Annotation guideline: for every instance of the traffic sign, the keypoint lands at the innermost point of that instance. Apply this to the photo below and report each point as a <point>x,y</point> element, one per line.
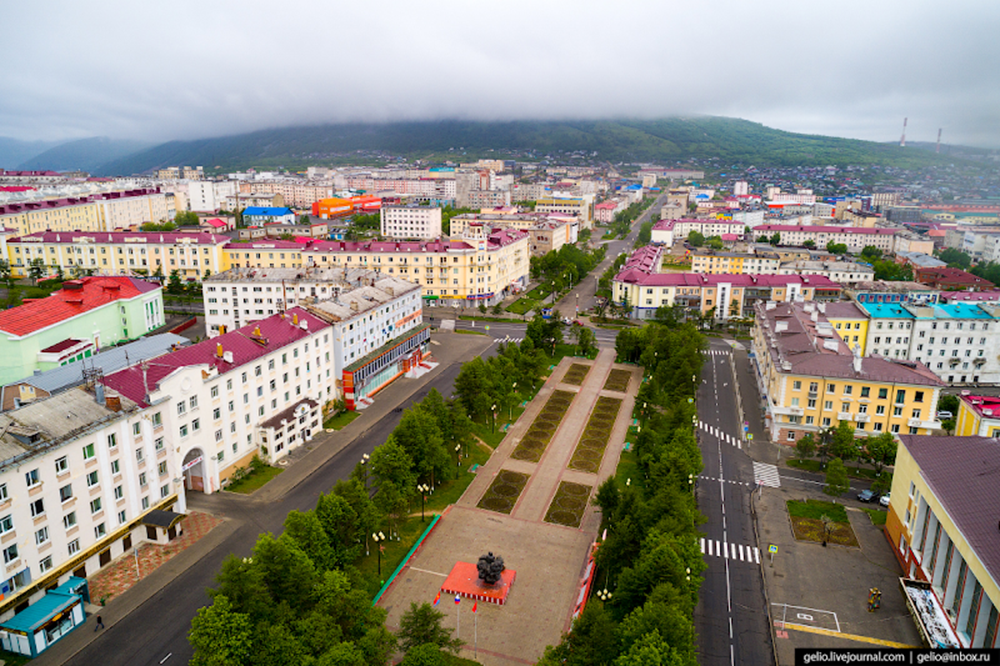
<point>772,549</point>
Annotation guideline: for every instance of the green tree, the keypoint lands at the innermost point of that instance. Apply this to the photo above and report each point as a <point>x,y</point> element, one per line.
<point>220,636</point>
<point>645,234</point>
<point>775,239</point>
<point>844,445</point>
<point>310,536</point>
<point>419,435</point>
<point>871,253</point>
<point>303,219</point>
<point>586,341</point>
<point>36,270</point>
<point>955,258</point>
<point>948,425</point>
<point>715,242</point>
<point>948,403</point>
<point>880,450</point>
<point>882,482</point>
<point>650,650</point>
<point>427,654</point>
<point>836,248</point>
<point>806,446</point>
<point>836,478</point>
<point>287,572</point>
<point>174,285</point>
<point>187,219</point>
<point>696,239</point>
<point>421,625</point>
<point>5,275</point>
<point>809,244</point>
<point>592,640</point>
<point>886,269</point>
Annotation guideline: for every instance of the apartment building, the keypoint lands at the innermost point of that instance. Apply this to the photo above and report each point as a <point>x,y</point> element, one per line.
<point>578,206</point>
<point>810,380</point>
<point>509,218</point>
<point>667,231</point>
<point>378,335</point>
<point>120,253</point>
<point>942,528</point>
<point>239,296</point>
<point>713,262</point>
<point>75,322</point>
<point>293,193</point>
<point>411,222</point>
<point>259,216</point>
<point>217,400</point>
<point>104,211</point>
<point>550,236</point>
<point>604,212</point>
<point>84,477</point>
<point>845,272</point>
<point>486,198</point>
<point>850,321</point>
<point>207,196</point>
<point>262,254</point>
<point>959,341</point>
<point>978,415</point>
<point>854,238</point>
<point>722,296</point>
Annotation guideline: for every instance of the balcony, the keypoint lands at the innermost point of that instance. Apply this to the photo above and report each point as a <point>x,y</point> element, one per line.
<point>788,411</point>
<point>844,416</point>
<point>920,423</point>
<point>862,418</point>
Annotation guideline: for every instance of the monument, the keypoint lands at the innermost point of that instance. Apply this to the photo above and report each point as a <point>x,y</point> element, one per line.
<point>488,580</point>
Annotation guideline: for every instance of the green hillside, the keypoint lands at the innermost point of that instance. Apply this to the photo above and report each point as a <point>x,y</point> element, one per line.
<point>666,140</point>
<point>84,154</point>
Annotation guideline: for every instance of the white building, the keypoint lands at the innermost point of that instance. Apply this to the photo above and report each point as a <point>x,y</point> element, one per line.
<point>845,272</point>
<point>239,296</point>
<point>82,474</point>
<point>216,401</point>
<point>206,196</point>
<point>378,335</point>
<point>411,222</point>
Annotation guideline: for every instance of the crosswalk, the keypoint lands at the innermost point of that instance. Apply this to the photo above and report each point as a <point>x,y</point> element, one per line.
<point>735,483</point>
<point>730,551</point>
<point>718,352</point>
<point>766,475</point>
<point>724,437</point>
<point>507,340</point>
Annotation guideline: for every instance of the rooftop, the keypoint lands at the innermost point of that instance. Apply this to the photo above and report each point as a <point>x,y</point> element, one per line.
<point>964,473</point>
<point>345,276</point>
<point>97,237</point>
<point>253,211</point>
<point>816,229</point>
<point>75,298</point>
<point>985,406</point>
<point>636,276</point>
<point>246,346</point>
<point>358,301</point>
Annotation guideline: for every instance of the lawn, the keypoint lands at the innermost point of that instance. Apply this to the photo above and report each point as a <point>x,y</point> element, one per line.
<point>628,467</point>
<point>485,432</point>
<point>393,552</point>
<point>254,480</point>
<point>877,515</point>
<point>576,374</point>
<point>502,494</point>
<point>521,306</point>
<point>590,449</point>
<point>448,493</point>
<point>465,331</point>
<point>568,505</point>
<point>816,508</point>
<point>618,380</point>
<point>540,292</point>
<point>536,439</point>
<point>11,659</point>
<point>810,465</point>
<point>340,420</point>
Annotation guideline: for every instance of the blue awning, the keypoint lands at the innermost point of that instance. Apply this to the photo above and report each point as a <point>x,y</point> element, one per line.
<point>35,616</point>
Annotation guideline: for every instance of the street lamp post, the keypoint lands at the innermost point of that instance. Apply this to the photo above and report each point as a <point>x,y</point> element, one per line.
<point>364,466</point>
<point>377,537</point>
<point>494,410</point>
<point>604,595</point>
<point>458,455</point>
<point>422,488</point>
<point>513,389</point>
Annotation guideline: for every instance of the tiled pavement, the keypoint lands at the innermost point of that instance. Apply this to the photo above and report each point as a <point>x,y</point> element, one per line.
<point>120,575</point>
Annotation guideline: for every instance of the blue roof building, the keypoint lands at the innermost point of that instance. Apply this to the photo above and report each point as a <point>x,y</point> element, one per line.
<point>263,215</point>
<point>43,623</point>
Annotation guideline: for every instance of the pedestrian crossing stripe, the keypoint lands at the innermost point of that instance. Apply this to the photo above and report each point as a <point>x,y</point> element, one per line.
<point>718,352</point>
<point>766,475</point>
<point>730,551</point>
<point>735,483</point>
<point>718,434</point>
<point>507,339</point>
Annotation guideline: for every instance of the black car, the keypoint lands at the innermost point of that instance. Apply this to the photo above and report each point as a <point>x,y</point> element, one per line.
<point>868,496</point>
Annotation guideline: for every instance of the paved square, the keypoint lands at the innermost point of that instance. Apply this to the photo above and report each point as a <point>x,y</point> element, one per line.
<point>549,561</point>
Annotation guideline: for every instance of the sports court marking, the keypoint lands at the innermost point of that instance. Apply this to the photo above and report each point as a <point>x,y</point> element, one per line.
<point>849,637</point>
<point>801,615</point>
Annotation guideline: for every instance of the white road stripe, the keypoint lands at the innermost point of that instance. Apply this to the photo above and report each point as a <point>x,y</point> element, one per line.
<point>703,544</point>
<point>740,546</point>
<point>725,546</point>
<point>756,555</point>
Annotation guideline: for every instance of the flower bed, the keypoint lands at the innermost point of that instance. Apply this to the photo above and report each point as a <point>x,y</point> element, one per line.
<point>568,505</point>
<point>532,445</point>
<point>618,381</point>
<point>502,494</point>
<point>576,374</point>
<point>593,441</point>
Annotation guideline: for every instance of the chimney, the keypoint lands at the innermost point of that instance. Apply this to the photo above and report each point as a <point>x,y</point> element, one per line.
<point>99,394</point>
<point>256,331</point>
<point>857,359</point>
<point>295,319</point>
<point>304,325</point>
<point>114,403</point>
<point>228,357</point>
<point>218,350</point>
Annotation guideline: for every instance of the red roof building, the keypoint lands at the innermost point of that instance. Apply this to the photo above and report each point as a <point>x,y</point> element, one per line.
<point>950,279</point>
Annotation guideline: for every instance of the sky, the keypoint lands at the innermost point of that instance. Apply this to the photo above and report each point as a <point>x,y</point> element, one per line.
<point>158,71</point>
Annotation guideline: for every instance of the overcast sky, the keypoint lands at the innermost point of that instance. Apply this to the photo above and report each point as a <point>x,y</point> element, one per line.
<point>190,69</point>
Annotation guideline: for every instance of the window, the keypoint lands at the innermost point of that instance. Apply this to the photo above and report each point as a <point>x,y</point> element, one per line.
<point>88,451</point>
<point>791,435</point>
<point>811,404</point>
<point>883,393</point>
<point>145,503</point>
<point>162,468</point>
<point>826,421</point>
<point>74,547</point>
<point>37,508</point>
<point>119,492</point>
<point>121,516</point>
<point>894,428</point>
<point>828,405</point>
<point>229,384</point>
<point>164,490</point>
<point>865,391</point>
<point>6,524</point>
<point>831,388</point>
<point>181,407</point>
<point>95,505</point>
<point>880,410</point>
<point>92,479</point>
<point>100,531</point>
<point>114,466</point>
<point>900,396</point>
<point>139,455</point>
<point>62,465</point>
<point>69,520</point>
<point>796,385</point>
<point>10,554</point>
<point>66,492</point>
<point>184,430</point>
<point>45,564</point>
<point>193,402</point>
<point>216,414</point>
<point>897,411</point>
<point>215,392</point>
<point>3,492</point>
<point>848,389</point>
<point>158,443</point>
<point>157,420</point>
<point>142,478</point>
<point>31,478</point>
<point>41,536</point>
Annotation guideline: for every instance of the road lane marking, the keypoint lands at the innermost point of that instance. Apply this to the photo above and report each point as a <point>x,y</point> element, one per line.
<point>169,654</point>
<point>849,637</point>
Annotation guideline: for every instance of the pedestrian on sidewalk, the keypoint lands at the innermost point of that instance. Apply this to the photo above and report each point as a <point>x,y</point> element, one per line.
<point>100,623</point>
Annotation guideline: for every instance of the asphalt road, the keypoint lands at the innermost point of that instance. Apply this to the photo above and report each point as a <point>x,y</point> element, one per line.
<point>160,626</point>
<point>515,331</point>
<point>731,618</point>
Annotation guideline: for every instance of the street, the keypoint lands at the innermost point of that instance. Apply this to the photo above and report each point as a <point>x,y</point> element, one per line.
<point>730,618</point>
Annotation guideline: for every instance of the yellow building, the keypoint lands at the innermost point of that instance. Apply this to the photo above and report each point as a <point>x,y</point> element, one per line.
<point>718,263</point>
<point>119,253</point>
<point>850,322</point>
<point>978,415</point>
<point>811,380</point>
<point>478,269</point>
<point>97,212</point>
<point>942,525</point>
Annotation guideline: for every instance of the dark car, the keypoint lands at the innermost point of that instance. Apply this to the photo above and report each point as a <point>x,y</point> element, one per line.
<point>868,496</point>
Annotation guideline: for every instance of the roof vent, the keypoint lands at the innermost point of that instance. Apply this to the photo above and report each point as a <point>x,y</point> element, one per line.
<point>295,319</point>
<point>218,350</point>
<point>228,357</point>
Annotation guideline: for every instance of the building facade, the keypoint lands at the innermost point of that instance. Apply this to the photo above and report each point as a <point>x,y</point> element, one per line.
<point>411,222</point>
<point>104,211</point>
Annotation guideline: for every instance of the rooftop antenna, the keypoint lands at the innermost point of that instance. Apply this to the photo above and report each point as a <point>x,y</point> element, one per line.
<point>902,139</point>
<point>938,148</point>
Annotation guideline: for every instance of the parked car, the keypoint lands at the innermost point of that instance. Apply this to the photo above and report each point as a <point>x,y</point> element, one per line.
<point>884,501</point>
<point>868,496</point>
<point>577,322</point>
<point>944,415</point>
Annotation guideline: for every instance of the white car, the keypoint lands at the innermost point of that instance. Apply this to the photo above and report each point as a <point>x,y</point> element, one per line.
<point>884,500</point>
